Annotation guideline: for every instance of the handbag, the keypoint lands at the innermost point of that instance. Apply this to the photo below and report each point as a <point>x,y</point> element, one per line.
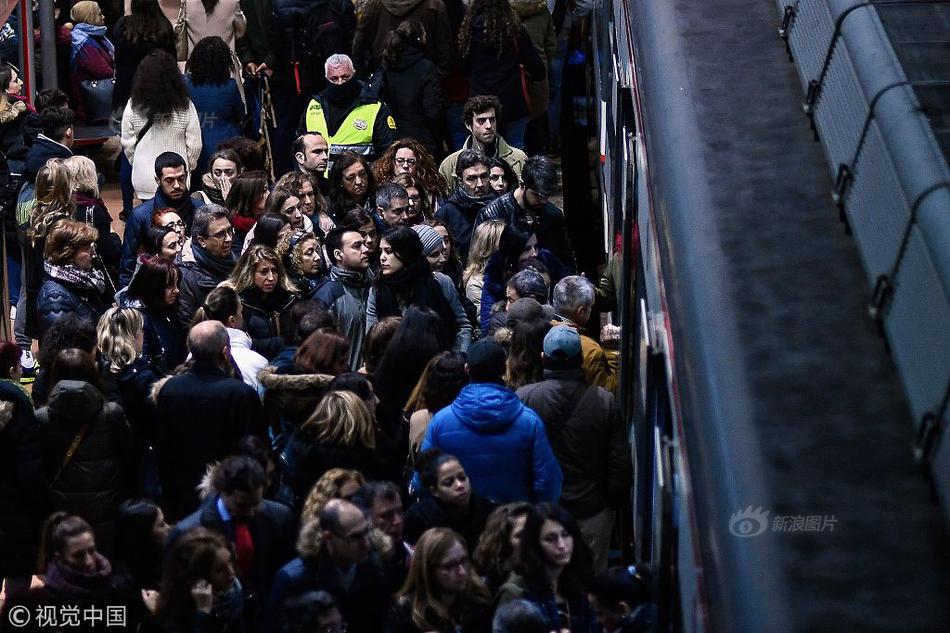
<point>68,457</point>
<point>97,97</point>
<point>181,32</point>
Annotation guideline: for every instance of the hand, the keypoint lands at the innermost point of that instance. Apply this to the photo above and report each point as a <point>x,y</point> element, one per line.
<point>224,184</point>
<point>610,334</point>
<point>252,69</point>
<point>326,224</point>
<point>150,598</point>
<point>202,595</point>
<point>264,68</point>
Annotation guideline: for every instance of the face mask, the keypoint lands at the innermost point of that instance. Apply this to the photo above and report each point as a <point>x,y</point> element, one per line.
<point>344,93</point>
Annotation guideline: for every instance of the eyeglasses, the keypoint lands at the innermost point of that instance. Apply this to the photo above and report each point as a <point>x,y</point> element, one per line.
<point>408,162</point>
<point>220,235</point>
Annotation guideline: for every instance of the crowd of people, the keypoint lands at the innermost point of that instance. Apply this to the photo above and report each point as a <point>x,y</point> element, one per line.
<point>347,380</point>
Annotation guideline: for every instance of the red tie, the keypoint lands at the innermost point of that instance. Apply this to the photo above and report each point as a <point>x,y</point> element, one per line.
<point>243,549</point>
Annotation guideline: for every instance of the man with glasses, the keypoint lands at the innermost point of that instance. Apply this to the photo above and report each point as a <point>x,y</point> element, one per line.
<point>382,502</point>
<point>171,174</point>
<point>206,261</point>
<point>336,556</point>
<point>472,192</point>
<point>392,207</point>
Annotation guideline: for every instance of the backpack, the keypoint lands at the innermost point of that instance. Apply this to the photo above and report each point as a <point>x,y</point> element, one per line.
<point>313,33</point>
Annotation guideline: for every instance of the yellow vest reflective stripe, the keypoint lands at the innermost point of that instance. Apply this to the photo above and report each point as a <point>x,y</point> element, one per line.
<point>355,133</point>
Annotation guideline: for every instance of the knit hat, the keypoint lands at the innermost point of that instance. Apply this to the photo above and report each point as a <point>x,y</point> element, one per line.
<point>486,361</point>
<point>524,309</point>
<point>430,238</point>
<point>562,343</point>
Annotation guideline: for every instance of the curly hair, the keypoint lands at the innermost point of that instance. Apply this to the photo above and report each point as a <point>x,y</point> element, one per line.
<point>291,246</point>
<point>211,62</point>
<point>493,556</point>
<point>293,181</point>
<point>242,277</point>
<point>499,21</point>
<point>409,33</point>
<point>329,486</point>
<point>427,172</point>
<point>158,88</point>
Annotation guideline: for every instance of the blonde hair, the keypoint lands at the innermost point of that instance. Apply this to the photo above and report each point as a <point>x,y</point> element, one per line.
<point>115,336</point>
<point>328,487</point>
<point>83,174</point>
<point>242,277</point>
<point>85,11</point>
<point>485,242</point>
<point>341,417</point>
<point>53,198</point>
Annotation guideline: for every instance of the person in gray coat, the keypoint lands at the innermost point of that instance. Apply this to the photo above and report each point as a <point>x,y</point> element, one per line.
<point>588,436</point>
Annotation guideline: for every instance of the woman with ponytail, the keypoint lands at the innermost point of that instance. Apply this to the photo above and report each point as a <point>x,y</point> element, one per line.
<point>224,306</point>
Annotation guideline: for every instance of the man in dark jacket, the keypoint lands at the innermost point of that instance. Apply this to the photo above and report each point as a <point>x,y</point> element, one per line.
<point>202,414</point>
<point>588,436</point>
<point>171,174</point>
<point>349,114</point>
<point>261,532</point>
<point>529,210</point>
<point>207,263</point>
<point>379,18</point>
<point>472,193</point>
<point>500,443</point>
<point>56,140</point>
<point>381,501</point>
<point>336,557</point>
<point>348,288</point>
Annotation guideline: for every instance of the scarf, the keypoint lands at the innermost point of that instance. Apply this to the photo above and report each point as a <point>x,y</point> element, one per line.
<point>67,580</point>
<point>242,223</point>
<point>211,189</point>
<point>469,202</point>
<point>82,33</point>
<point>414,285</point>
<point>217,266</point>
<point>83,279</point>
<point>358,279</point>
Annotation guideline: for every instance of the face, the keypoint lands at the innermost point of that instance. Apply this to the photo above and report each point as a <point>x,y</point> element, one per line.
<point>224,168</point>
<point>388,517</point>
<point>355,181</point>
<point>309,257</point>
<point>608,618</point>
<point>339,74</point>
<point>510,296</point>
<point>556,544</point>
<point>171,246</point>
<point>330,622</point>
<point>352,542</point>
<point>354,252</point>
<point>291,208</point>
<point>389,264</point>
<point>397,213</point>
<point>173,221</point>
<point>436,258</point>
<point>98,19</point>
<point>315,154</point>
<point>79,553</point>
<point>530,248</point>
<point>221,576</point>
<point>446,241</point>
<point>171,293</point>
<point>219,238</point>
<point>83,257</point>
<point>475,180</point>
<point>414,205</point>
<point>405,161</point>
<point>237,321</point>
<point>453,486</point>
<point>369,233</point>
<point>260,204</point>
<point>517,529</point>
<point>243,505</point>
<point>483,126</point>
<point>451,573</point>
<point>266,276</point>
<point>307,199</point>
<point>16,85</point>
<point>535,201</point>
<point>160,528</point>
<point>172,182</point>
<point>496,178</point>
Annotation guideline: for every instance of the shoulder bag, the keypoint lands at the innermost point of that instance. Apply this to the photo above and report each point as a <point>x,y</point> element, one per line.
<point>73,446</point>
<point>181,32</point>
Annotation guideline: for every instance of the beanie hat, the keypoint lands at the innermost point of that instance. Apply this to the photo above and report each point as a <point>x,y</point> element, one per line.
<point>486,361</point>
<point>430,238</point>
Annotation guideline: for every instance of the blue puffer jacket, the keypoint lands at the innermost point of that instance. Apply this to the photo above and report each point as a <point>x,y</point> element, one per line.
<point>58,298</point>
<point>500,442</point>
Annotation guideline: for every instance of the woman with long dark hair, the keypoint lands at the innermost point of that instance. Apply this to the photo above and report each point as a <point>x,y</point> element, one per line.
<point>494,556</point>
<point>140,533</point>
<point>553,565</point>
<point>135,36</point>
<point>440,383</point>
<point>246,201</point>
<point>159,117</point>
<point>154,292</point>
<point>406,279</point>
<point>268,231</point>
<point>213,90</point>
<point>351,184</point>
<point>524,353</point>
<point>494,46</point>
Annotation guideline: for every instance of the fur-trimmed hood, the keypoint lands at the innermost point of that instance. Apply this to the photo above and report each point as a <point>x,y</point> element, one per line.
<point>272,380</point>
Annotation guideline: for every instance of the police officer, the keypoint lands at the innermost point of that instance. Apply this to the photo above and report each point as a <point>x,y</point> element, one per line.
<point>348,113</point>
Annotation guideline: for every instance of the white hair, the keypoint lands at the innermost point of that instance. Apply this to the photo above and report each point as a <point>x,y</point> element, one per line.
<point>338,59</point>
<point>572,293</point>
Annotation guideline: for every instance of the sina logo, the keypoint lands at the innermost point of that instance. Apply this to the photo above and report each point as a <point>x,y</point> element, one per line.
<point>749,522</point>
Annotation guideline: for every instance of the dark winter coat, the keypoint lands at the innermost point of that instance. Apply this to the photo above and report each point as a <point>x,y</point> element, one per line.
<point>589,439</point>
<point>378,18</point>
<point>221,113</point>
<point>346,293</point>
<point>549,226</point>
<point>500,443</point>
<point>495,278</point>
<point>93,211</point>
<point>430,512</point>
<point>363,605</point>
<point>129,55</point>
<point>474,618</point>
<point>95,60</point>
<point>581,619</point>
<point>412,89</point>
<point>22,489</point>
<point>262,317</point>
<point>273,531</point>
<point>163,340</point>
<point>96,479</point>
<point>459,212</point>
<point>195,284</point>
<point>140,221</point>
<point>496,72</point>
<point>43,149</point>
<point>201,414</point>
<point>309,459</point>
<point>58,298</point>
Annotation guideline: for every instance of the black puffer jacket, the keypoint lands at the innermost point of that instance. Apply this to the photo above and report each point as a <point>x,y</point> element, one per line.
<point>308,459</point>
<point>262,316</point>
<point>95,481</point>
<point>430,512</point>
<point>413,92</point>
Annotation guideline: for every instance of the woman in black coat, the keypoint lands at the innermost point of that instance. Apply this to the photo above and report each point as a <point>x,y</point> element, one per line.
<point>494,47</point>
<point>135,36</point>
<point>87,445</point>
<point>411,85</point>
<point>153,291</point>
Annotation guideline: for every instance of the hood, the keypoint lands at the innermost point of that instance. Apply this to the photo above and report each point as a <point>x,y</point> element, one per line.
<point>409,56</point>
<point>487,407</point>
<point>528,8</point>
<point>400,8</point>
<point>42,150</point>
<point>75,402</point>
<point>271,379</point>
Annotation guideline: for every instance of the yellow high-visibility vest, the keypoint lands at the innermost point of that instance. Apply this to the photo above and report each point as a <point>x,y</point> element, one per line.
<point>354,134</point>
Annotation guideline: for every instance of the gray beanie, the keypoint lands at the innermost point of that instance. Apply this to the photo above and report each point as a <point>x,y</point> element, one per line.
<point>430,238</point>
